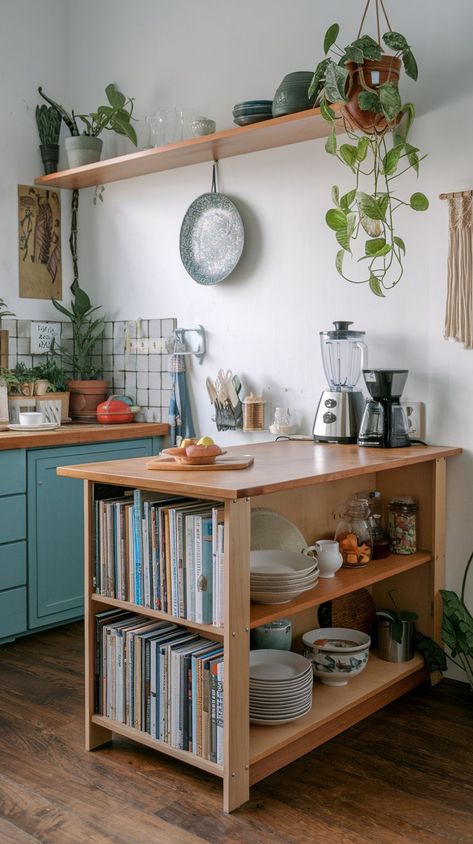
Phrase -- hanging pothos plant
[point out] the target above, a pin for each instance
(365, 80)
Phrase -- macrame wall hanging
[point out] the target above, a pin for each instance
(459, 305)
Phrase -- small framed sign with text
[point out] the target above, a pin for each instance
(42, 336)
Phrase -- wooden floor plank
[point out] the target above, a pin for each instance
(403, 775)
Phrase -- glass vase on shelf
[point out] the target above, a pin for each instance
(354, 535)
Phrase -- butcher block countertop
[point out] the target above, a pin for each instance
(277, 466)
(77, 434)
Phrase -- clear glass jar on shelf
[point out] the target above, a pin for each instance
(402, 524)
(354, 535)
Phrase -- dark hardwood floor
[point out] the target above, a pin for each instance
(403, 775)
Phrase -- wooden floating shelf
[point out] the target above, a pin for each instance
(268, 134)
(208, 629)
(145, 738)
(344, 582)
(334, 709)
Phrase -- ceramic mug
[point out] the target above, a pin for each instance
(328, 556)
(31, 419)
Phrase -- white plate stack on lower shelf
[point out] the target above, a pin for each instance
(280, 686)
(277, 577)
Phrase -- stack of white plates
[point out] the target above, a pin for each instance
(280, 686)
(277, 577)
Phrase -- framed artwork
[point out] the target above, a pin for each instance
(39, 243)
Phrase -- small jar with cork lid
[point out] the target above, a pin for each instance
(253, 413)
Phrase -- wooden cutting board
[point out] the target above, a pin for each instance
(221, 463)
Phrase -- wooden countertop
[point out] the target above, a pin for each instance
(277, 466)
(77, 434)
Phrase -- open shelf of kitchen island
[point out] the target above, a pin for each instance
(240, 140)
(306, 483)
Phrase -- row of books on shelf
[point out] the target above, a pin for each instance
(161, 679)
(161, 553)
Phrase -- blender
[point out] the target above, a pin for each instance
(384, 422)
(344, 355)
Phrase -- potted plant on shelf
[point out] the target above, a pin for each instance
(86, 147)
(50, 387)
(365, 80)
(87, 389)
(48, 121)
(396, 632)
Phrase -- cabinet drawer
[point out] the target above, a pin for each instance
(12, 471)
(12, 518)
(12, 565)
(12, 611)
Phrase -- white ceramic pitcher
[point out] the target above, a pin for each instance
(328, 556)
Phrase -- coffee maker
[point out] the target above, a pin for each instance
(340, 408)
(384, 422)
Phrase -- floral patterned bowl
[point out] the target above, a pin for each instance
(337, 653)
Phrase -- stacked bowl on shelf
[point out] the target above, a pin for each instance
(252, 111)
(280, 686)
(277, 576)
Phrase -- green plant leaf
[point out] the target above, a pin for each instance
(433, 654)
(346, 200)
(339, 261)
(331, 36)
(335, 82)
(399, 242)
(336, 219)
(122, 127)
(402, 129)
(369, 206)
(327, 113)
(62, 309)
(331, 143)
(390, 100)
(395, 41)
(372, 247)
(419, 202)
(369, 101)
(407, 615)
(383, 203)
(353, 54)
(412, 157)
(457, 624)
(374, 228)
(81, 301)
(375, 287)
(362, 148)
(351, 224)
(343, 239)
(115, 97)
(336, 196)
(391, 159)
(370, 47)
(410, 64)
(348, 153)
(318, 78)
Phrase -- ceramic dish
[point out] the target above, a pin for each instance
(211, 239)
(337, 653)
(45, 426)
(280, 562)
(247, 119)
(270, 664)
(270, 530)
(272, 722)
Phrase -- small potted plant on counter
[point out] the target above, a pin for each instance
(86, 387)
(50, 386)
(86, 147)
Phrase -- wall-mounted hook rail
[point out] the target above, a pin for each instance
(187, 341)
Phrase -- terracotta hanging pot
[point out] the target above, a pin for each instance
(368, 77)
(84, 398)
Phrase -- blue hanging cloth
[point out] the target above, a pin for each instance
(180, 413)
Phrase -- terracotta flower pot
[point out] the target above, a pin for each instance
(368, 77)
(84, 398)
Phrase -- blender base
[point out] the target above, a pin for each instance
(338, 417)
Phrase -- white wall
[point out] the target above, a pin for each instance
(262, 322)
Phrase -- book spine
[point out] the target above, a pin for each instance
(189, 551)
(204, 584)
(198, 579)
(220, 724)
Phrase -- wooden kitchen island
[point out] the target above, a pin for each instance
(307, 483)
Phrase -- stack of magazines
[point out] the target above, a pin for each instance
(162, 553)
(161, 679)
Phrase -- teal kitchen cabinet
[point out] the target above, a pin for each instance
(13, 591)
(56, 525)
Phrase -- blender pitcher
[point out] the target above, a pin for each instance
(344, 355)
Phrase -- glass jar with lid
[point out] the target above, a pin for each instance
(402, 524)
(354, 535)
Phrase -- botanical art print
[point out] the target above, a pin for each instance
(39, 243)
